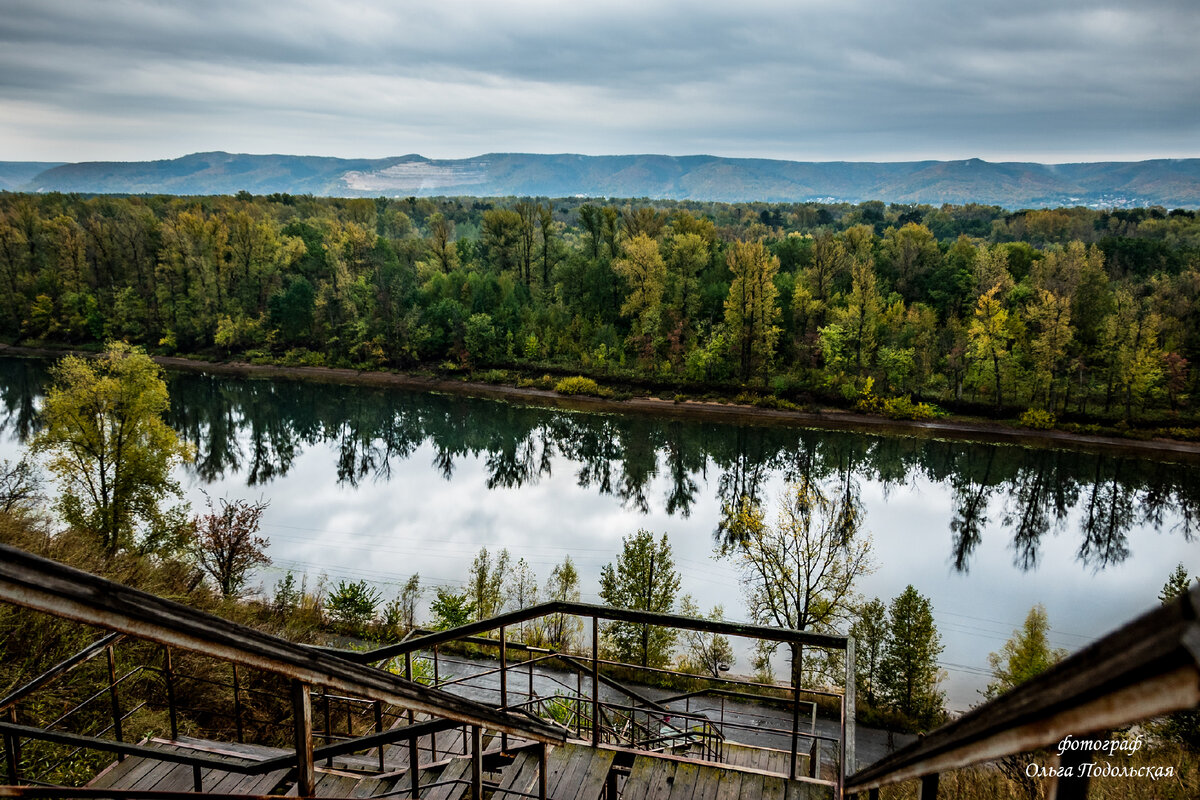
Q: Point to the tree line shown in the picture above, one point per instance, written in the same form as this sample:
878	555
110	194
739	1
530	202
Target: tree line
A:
1071	313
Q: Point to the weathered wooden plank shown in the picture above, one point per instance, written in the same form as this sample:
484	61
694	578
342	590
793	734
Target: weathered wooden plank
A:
457	770
558	763
520	775
683	782
752	786
591	783
773	788
156	775
707	783
123	774
567	766
730	787
336	786
659	787
638	783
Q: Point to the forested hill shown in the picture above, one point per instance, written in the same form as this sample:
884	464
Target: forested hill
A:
1173	183
15	174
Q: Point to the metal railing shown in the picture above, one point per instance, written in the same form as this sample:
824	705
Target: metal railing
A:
1145	669
589	718
47	586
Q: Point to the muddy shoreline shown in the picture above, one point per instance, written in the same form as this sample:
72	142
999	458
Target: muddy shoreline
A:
832	419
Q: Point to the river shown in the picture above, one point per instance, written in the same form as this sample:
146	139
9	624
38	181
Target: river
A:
376	484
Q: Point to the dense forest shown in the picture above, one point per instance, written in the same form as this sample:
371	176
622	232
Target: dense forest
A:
1060	314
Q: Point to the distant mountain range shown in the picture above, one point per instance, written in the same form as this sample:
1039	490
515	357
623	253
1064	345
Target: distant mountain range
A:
1168	182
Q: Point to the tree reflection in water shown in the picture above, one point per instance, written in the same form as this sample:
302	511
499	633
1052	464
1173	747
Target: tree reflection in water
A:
257	428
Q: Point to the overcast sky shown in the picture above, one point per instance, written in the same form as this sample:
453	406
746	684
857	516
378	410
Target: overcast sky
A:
807	79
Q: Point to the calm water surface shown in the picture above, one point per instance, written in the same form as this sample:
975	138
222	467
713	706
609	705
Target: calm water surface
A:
378	484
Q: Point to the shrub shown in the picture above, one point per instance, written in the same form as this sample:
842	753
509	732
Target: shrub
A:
1037	419
580	385
904	408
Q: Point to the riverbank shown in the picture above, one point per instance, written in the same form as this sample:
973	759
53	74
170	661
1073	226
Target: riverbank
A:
705	410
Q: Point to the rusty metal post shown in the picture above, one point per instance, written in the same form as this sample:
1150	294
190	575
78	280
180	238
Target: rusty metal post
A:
795	717
306	777
1074	787
476	761
873	794
929	787
237	705
529	656
578	703
169	675
328	726
12	749
378	707
595	681
849	712
542	772
414	771
197	780
436	681
116	701
503	684
814	758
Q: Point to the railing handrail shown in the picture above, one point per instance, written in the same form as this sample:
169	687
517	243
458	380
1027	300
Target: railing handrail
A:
610	613
42	584
58	670
1150	666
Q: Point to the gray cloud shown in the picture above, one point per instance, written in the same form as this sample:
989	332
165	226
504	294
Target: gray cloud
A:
807	80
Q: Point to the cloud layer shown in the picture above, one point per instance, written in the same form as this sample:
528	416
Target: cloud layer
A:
804	80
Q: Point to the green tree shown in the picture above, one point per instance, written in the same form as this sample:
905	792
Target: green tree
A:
859	318
642	266
989	336
1026	654
909	661
1176	585
869	631
352	606
1182	727
485	583
1050	316
800	572
561	631
643	579
441	242
451	609
105	441
751	312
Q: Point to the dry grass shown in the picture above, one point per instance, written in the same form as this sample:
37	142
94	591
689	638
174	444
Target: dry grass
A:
989	782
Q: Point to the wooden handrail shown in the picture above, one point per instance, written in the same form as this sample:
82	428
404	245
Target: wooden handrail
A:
44	585
1146	668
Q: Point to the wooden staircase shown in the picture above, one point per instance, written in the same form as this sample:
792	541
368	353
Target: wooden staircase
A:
574	771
